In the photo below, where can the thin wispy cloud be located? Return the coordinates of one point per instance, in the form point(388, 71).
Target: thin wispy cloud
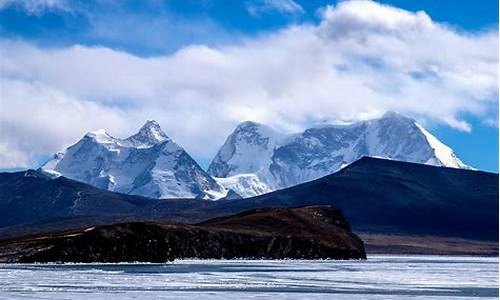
point(36, 7)
point(361, 60)
point(258, 7)
point(146, 28)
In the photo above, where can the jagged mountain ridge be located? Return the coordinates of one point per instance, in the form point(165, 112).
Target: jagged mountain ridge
point(254, 160)
point(283, 160)
point(147, 163)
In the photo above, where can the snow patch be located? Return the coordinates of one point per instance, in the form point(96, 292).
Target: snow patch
point(443, 154)
point(245, 185)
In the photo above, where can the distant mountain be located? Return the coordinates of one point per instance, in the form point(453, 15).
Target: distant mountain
point(33, 198)
point(394, 197)
point(394, 202)
point(404, 208)
point(147, 163)
point(254, 160)
point(280, 160)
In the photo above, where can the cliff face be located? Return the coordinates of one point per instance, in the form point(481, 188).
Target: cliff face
point(318, 232)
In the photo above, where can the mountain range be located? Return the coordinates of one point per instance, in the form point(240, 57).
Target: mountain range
point(395, 205)
point(255, 159)
point(402, 190)
point(280, 160)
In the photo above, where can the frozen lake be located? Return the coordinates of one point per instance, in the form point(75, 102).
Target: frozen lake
point(380, 277)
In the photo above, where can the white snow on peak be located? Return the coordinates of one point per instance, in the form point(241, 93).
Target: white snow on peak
point(149, 135)
point(101, 136)
point(248, 147)
point(255, 159)
point(282, 160)
point(52, 163)
point(245, 185)
point(442, 153)
point(147, 163)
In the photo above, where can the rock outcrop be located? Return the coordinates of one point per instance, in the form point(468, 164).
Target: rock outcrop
point(317, 232)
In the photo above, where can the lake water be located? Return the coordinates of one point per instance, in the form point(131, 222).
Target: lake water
point(380, 277)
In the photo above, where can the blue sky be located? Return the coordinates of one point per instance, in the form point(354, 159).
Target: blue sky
point(151, 35)
point(219, 20)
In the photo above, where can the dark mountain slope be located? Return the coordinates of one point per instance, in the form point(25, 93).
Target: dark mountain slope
point(32, 197)
point(383, 196)
point(378, 197)
point(326, 235)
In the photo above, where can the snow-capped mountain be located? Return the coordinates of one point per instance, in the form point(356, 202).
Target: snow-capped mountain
point(147, 163)
point(248, 148)
point(255, 159)
point(282, 160)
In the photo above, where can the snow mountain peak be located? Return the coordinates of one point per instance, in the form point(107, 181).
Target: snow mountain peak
point(254, 159)
point(248, 129)
point(283, 160)
point(150, 134)
point(147, 163)
point(99, 135)
point(248, 146)
point(246, 125)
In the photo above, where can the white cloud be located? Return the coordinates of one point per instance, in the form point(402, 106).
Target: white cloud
point(258, 7)
point(36, 7)
point(360, 61)
point(37, 119)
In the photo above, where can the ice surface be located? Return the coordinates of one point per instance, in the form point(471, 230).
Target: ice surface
point(380, 277)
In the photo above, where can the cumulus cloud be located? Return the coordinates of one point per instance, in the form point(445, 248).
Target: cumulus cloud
point(258, 7)
point(361, 60)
